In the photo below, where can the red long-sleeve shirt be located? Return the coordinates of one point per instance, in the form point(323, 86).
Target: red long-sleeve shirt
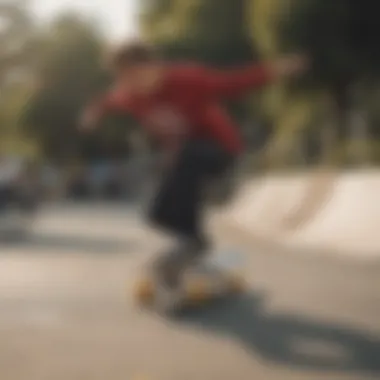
point(188, 103)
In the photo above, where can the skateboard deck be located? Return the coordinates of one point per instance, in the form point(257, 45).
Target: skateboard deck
point(219, 276)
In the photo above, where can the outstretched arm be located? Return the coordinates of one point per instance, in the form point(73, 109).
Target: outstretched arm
point(94, 112)
point(239, 82)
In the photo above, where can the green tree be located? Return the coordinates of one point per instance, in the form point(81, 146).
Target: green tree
point(212, 31)
point(69, 73)
point(11, 108)
point(341, 37)
point(16, 34)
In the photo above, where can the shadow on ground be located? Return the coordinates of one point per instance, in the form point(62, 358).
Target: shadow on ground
point(288, 339)
point(69, 243)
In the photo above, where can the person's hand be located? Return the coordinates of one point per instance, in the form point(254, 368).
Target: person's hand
point(89, 119)
point(293, 65)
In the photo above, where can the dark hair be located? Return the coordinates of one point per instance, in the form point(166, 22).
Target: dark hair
point(131, 54)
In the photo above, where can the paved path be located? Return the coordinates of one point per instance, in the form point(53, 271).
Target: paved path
point(66, 312)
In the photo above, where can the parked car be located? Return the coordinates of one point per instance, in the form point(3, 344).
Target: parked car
point(19, 196)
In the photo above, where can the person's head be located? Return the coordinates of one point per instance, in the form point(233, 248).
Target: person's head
point(137, 67)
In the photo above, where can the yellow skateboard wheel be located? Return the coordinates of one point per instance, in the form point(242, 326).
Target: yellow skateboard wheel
point(197, 291)
point(236, 283)
point(144, 291)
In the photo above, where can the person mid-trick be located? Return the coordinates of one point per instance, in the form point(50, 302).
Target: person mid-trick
point(180, 106)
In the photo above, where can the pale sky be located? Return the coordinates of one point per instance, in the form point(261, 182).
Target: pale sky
point(117, 17)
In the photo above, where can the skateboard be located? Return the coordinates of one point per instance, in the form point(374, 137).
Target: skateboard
point(219, 276)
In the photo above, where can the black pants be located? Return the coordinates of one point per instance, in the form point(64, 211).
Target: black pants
point(179, 204)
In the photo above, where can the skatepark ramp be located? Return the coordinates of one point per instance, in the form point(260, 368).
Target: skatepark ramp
point(274, 203)
point(334, 213)
point(349, 222)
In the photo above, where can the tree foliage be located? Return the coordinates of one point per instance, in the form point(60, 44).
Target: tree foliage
point(213, 32)
point(341, 38)
point(16, 40)
point(340, 35)
point(69, 74)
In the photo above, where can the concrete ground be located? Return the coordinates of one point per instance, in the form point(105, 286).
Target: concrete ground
point(66, 311)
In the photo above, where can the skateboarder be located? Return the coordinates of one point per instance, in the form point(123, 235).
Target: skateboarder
point(180, 107)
